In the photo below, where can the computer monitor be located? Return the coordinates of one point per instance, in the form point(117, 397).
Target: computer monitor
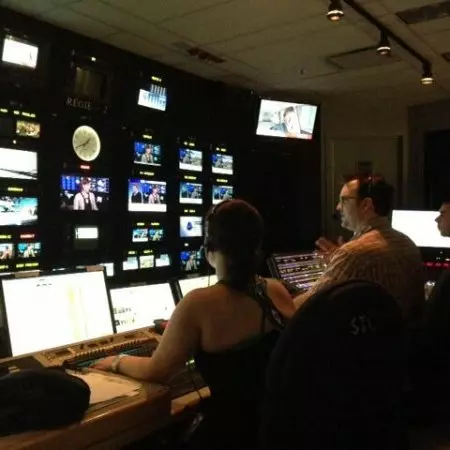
point(189, 284)
point(301, 269)
point(191, 226)
point(191, 193)
point(52, 310)
point(420, 227)
point(139, 306)
point(18, 164)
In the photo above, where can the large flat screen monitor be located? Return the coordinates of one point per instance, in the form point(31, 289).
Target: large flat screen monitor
point(420, 227)
point(18, 164)
point(19, 52)
point(189, 284)
point(139, 306)
point(18, 210)
point(50, 311)
point(286, 120)
point(84, 193)
point(154, 98)
point(147, 195)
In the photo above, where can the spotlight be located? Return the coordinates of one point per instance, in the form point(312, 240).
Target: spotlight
point(335, 11)
point(384, 46)
point(427, 76)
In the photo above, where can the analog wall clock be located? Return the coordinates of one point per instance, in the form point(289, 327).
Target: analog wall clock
point(86, 143)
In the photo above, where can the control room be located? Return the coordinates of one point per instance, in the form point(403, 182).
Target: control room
point(225, 224)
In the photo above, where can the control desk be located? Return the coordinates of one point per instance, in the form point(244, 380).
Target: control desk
point(301, 269)
point(141, 342)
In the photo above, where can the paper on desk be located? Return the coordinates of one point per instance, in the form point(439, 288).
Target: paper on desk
point(105, 387)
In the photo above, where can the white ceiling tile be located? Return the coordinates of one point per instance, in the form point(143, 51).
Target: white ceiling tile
point(401, 5)
point(240, 17)
point(202, 69)
point(134, 44)
point(157, 10)
point(30, 7)
point(433, 26)
point(439, 41)
point(76, 22)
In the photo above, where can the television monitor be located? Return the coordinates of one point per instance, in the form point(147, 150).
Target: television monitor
point(85, 237)
point(286, 119)
point(18, 164)
point(220, 193)
point(28, 250)
point(147, 234)
point(191, 260)
point(6, 126)
point(189, 284)
point(7, 251)
point(147, 153)
point(420, 227)
point(191, 226)
point(154, 98)
point(84, 193)
point(25, 128)
point(191, 193)
point(147, 195)
point(190, 159)
point(90, 83)
point(61, 309)
point(152, 260)
point(20, 52)
point(222, 164)
point(18, 210)
point(130, 263)
point(139, 306)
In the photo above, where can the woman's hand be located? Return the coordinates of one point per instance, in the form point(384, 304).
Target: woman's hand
point(103, 364)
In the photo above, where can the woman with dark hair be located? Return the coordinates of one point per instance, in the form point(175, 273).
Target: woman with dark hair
point(230, 328)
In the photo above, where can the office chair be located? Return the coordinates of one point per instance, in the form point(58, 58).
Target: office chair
point(336, 375)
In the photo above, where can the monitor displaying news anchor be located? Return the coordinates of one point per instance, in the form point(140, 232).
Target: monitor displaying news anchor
point(191, 193)
point(147, 153)
point(286, 119)
point(220, 193)
point(84, 193)
point(147, 195)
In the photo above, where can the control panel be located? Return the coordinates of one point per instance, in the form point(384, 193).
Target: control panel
point(299, 269)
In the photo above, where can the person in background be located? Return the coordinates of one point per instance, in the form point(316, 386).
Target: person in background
point(147, 156)
point(85, 199)
point(376, 252)
point(230, 328)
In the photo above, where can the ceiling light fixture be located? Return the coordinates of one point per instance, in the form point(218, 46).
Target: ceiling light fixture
point(427, 75)
point(384, 46)
point(335, 12)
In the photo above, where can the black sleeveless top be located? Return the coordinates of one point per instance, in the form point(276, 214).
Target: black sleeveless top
point(236, 376)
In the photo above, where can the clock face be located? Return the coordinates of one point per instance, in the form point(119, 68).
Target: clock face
point(86, 143)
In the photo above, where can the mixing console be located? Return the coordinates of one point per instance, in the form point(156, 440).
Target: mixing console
point(298, 269)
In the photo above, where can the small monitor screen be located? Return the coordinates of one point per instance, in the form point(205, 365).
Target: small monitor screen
point(85, 238)
point(191, 193)
point(147, 196)
point(189, 284)
point(220, 193)
point(18, 210)
point(154, 98)
point(420, 227)
point(24, 128)
point(19, 52)
point(91, 84)
point(147, 153)
point(83, 193)
point(150, 234)
point(131, 263)
point(191, 260)
point(191, 226)
point(190, 159)
point(6, 251)
point(222, 164)
point(28, 250)
point(286, 120)
point(139, 306)
point(61, 309)
point(19, 164)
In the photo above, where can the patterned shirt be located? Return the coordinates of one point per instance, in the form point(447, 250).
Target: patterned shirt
point(381, 254)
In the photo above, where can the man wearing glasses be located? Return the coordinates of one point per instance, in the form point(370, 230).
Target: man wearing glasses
point(376, 252)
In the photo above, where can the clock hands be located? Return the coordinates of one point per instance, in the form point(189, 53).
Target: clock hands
point(84, 144)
